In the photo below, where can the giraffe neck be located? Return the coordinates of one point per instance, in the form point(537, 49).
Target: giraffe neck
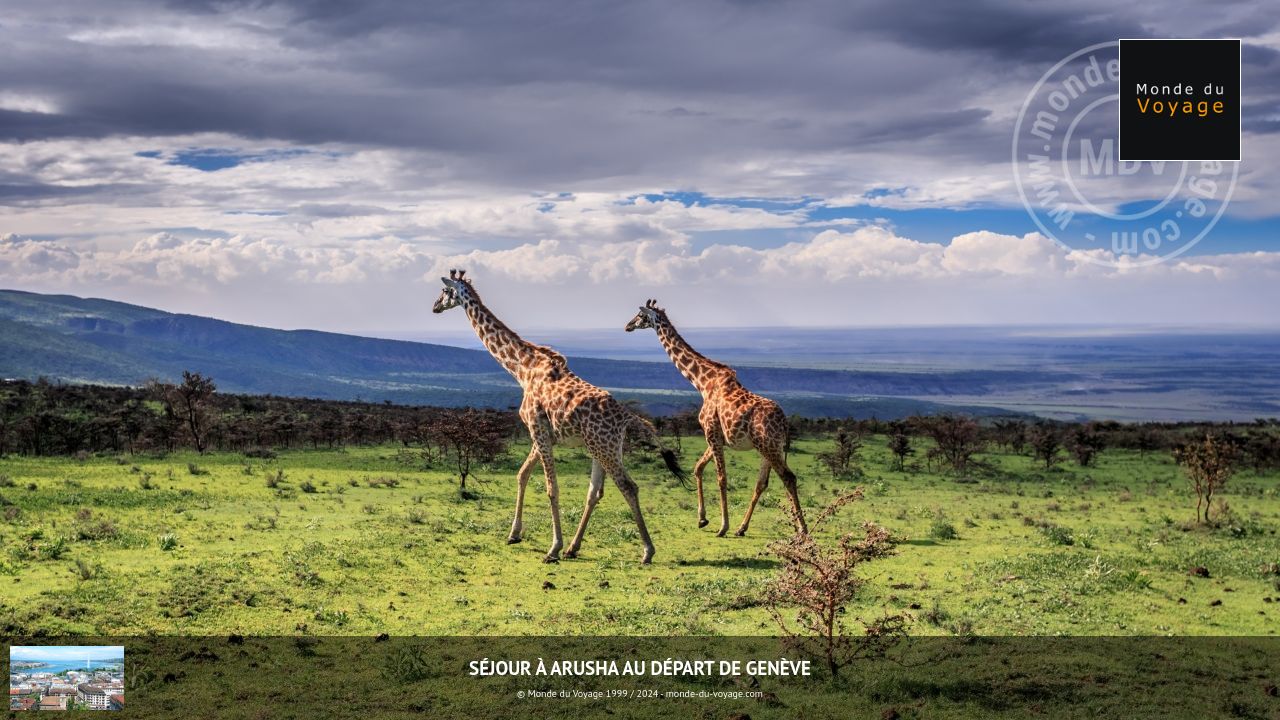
point(693, 365)
point(509, 349)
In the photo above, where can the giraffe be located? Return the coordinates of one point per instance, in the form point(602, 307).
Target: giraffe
point(558, 404)
point(730, 416)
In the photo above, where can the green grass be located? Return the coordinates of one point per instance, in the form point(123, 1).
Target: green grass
point(355, 542)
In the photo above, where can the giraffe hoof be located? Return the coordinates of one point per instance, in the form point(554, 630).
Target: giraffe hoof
point(549, 559)
point(722, 532)
point(740, 532)
point(703, 522)
point(513, 540)
point(647, 557)
point(571, 553)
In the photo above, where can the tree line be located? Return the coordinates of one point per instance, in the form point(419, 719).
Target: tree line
point(954, 442)
point(45, 418)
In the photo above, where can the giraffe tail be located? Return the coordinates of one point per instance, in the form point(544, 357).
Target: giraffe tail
point(651, 440)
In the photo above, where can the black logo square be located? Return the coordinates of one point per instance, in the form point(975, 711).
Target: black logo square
point(1180, 100)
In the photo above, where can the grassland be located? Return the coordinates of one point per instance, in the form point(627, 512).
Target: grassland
point(359, 542)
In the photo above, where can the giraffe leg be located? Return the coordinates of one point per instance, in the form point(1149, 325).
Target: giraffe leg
point(774, 459)
point(632, 495)
point(542, 441)
point(697, 474)
point(522, 480)
point(722, 481)
point(761, 483)
point(594, 493)
point(789, 481)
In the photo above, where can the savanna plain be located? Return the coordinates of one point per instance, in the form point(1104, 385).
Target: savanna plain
point(368, 540)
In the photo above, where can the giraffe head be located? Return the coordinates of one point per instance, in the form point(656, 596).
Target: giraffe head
point(456, 289)
point(650, 316)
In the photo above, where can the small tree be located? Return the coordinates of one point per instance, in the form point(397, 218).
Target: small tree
point(900, 443)
point(956, 440)
point(1145, 440)
point(1012, 434)
point(1045, 443)
point(190, 401)
point(1209, 464)
point(841, 458)
point(469, 437)
point(819, 581)
point(1085, 444)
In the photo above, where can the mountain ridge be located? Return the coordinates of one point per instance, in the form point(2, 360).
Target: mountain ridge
point(96, 340)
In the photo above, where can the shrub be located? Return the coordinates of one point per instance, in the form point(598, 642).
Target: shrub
point(943, 530)
point(936, 615)
point(263, 522)
point(1057, 534)
point(53, 550)
point(842, 456)
point(307, 487)
point(195, 469)
point(86, 571)
point(407, 664)
point(87, 529)
point(819, 581)
point(168, 541)
point(1045, 441)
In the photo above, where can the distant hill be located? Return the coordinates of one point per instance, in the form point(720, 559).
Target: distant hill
point(75, 339)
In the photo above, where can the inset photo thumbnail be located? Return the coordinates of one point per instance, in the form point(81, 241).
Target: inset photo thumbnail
point(66, 677)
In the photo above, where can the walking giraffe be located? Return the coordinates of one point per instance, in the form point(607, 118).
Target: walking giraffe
point(730, 416)
point(558, 404)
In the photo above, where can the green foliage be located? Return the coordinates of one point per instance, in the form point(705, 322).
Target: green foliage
point(250, 563)
point(942, 529)
point(1056, 534)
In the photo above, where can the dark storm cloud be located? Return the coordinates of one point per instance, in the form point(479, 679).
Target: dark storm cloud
point(1008, 31)
point(16, 193)
point(547, 95)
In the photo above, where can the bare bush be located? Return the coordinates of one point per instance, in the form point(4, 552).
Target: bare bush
point(819, 580)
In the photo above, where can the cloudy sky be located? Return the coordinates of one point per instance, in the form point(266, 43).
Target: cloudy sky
point(319, 164)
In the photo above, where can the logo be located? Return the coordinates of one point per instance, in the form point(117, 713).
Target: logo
point(1180, 100)
point(1079, 192)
